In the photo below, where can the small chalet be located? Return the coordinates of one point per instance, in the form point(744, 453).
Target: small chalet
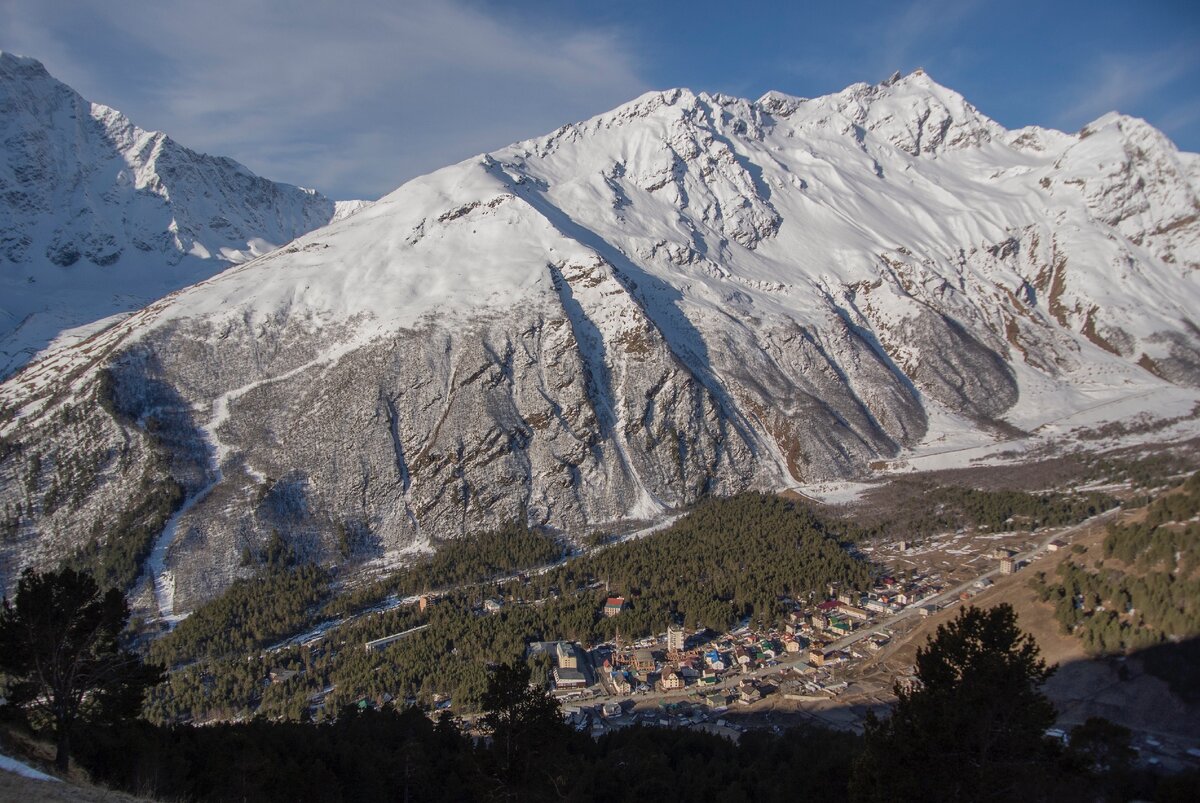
point(749, 693)
point(614, 605)
point(714, 661)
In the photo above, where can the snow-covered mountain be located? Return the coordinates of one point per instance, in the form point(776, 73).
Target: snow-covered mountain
point(688, 295)
point(98, 216)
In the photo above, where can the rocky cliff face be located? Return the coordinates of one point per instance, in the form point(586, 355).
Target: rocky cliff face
point(689, 295)
point(98, 216)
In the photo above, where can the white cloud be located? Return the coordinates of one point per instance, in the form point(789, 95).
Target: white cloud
point(908, 35)
point(1123, 82)
point(351, 97)
point(889, 38)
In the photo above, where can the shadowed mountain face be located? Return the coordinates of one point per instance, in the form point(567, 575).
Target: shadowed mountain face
point(688, 295)
point(98, 216)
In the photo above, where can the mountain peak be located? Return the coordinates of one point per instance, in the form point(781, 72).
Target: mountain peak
point(10, 61)
point(100, 216)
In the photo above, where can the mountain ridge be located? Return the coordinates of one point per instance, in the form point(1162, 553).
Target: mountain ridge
point(99, 217)
point(689, 295)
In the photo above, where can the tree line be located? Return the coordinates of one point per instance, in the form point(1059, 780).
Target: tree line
point(918, 508)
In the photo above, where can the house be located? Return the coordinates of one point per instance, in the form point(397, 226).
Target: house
point(671, 681)
point(828, 605)
point(855, 613)
point(1056, 545)
point(816, 656)
point(793, 645)
point(621, 683)
point(877, 606)
point(614, 605)
point(749, 693)
point(492, 605)
point(609, 710)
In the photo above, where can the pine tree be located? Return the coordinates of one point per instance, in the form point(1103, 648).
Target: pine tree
point(60, 640)
point(974, 728)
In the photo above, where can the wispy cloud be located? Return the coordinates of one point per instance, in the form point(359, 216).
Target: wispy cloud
point(917, 32)
point(354, 96)
point(1122, 82)
point(901, 36)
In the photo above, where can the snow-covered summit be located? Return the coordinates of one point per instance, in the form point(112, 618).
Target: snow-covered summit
point(98, 216)
point(691, 294)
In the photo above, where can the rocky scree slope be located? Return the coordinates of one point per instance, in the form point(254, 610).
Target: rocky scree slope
point(688, 295)
point(98, 216)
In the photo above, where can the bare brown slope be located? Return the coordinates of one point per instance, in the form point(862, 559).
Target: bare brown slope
point(1116, 688)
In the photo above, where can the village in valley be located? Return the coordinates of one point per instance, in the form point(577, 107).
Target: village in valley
point(808, 666)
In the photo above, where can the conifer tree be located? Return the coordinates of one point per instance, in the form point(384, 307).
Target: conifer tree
point(974, 726)
point(60, 640)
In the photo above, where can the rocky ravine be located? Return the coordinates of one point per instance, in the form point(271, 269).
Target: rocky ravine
point(688, 295)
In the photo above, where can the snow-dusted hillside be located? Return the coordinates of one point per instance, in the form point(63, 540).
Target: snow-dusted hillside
point(688, 295)
point(99, 217)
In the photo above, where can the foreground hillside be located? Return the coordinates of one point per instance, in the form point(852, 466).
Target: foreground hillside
point(691, 295)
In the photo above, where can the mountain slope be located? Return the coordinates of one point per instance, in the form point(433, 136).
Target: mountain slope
point(98, 216)
point(689, 295)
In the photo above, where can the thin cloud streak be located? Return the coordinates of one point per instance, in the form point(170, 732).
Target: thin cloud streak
point(1117, 82)
point(358, 97)
point(917, 35)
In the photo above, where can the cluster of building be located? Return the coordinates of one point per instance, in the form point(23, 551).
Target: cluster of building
point(669, 663)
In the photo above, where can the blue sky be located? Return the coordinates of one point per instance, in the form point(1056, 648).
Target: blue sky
point(354, 97)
